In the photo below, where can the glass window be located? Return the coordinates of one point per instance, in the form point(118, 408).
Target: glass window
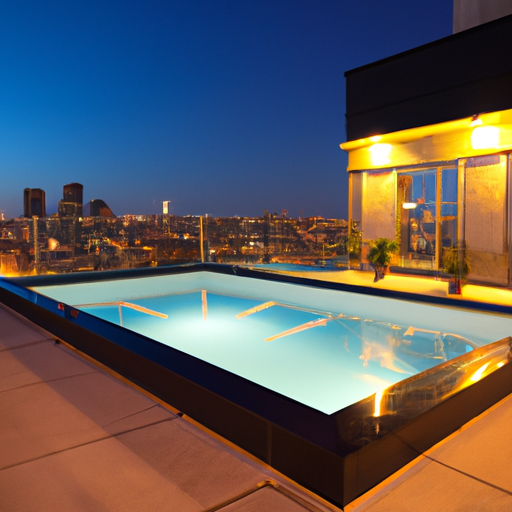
point(417, 193)
point(450, 186)
point(449, 208)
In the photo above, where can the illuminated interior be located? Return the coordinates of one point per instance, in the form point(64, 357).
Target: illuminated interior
point(437, 187)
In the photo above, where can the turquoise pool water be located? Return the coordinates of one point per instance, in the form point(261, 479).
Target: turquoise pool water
point(323, 348)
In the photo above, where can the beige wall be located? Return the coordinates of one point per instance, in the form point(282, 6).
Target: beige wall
point(485, 220)
point(470, 13)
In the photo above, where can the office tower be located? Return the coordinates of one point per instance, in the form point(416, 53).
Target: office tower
point(166, 207)
point(34, 202)
point(71, 204)
point(97, 208)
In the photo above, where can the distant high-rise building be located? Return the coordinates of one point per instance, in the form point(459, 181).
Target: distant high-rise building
point(97, 208)
point(71, 204)
point(166, 207)
point(73, 193)
point(34, 202)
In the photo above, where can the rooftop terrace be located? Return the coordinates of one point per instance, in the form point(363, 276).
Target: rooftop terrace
point(77, 437)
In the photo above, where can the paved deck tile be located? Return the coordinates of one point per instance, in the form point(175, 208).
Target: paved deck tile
point(15, 332)
point(266, 499)
point(77, 438)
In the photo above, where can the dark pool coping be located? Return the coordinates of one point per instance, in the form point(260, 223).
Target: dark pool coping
point(333, 455)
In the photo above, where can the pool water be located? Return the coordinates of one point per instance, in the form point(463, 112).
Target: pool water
point(323, 348)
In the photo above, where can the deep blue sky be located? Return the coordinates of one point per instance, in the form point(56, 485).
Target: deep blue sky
point(226, 107)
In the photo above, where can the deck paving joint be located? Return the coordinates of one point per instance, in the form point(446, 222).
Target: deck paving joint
point(132, 415)
point(269, 482)
point(25, 345)
point(473, 477)
point(39, 382)
point(92, 441)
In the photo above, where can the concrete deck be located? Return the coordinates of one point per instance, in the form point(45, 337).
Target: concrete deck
point(74, 437)
point(471, 469)
point(410, 284)
point(468, 471)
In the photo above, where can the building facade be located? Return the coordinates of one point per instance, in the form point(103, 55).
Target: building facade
point(471, 13)
point(72, 201)
point(429, 151)
point(34, 203)
point(97, 208)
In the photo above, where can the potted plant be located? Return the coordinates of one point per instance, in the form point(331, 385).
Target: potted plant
point(456, 263)
point(379, 255)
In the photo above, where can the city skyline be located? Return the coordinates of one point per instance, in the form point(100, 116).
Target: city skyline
point(224, 108)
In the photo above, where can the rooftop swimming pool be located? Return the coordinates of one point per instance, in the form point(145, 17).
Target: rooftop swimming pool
point(326, 349)
point(335, 386)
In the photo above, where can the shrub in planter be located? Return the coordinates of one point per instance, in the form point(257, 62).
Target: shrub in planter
point(380, 254)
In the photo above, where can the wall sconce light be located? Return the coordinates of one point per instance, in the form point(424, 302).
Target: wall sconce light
point(485, 137)
point(380, 154)
point(476, 121)
point(409, 206)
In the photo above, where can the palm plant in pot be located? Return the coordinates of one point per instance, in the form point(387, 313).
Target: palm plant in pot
point(456, 263)
point(380, 254)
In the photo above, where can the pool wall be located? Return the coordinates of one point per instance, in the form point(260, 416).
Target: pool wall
point(338, 456)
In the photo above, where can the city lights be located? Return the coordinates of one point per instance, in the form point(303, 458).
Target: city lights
point(83, 238)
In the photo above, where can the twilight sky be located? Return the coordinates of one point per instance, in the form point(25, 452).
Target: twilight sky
point(225, 107)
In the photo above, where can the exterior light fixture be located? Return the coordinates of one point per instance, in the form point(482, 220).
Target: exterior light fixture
point(409, 206)
point(475, 121)
point(485, 137)
point(380, 154)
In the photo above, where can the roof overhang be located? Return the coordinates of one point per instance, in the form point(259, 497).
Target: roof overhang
point(481, 134)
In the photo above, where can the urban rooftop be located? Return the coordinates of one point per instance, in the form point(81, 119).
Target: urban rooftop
point(148, 361)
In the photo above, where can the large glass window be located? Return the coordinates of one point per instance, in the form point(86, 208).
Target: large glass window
point(449, 199)
point(427, 215)
point(417, 195)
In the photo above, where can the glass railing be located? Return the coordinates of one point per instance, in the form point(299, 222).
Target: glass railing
point(271, 242)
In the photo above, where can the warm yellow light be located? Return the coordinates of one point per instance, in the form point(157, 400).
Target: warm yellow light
point(204, 301)
point(380, 154)
point(479, 373)
point(409, 206)
point(375, 138)
point(485, 137)
point(378, 400)
point(258, 308)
